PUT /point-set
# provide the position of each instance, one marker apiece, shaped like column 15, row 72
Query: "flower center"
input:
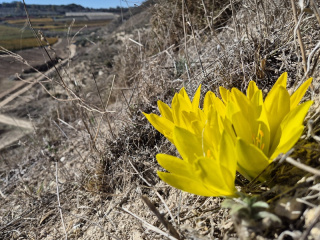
column 208, row 153
column 257, row 140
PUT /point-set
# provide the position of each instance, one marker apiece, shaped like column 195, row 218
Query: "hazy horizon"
column 89, row 4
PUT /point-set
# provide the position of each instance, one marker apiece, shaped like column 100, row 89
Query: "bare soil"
column 10, row 66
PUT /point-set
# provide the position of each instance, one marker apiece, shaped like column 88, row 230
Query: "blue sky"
column 85, row 3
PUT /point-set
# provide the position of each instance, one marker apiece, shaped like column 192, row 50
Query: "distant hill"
column 16, row 9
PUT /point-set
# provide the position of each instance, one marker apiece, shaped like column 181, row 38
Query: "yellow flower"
column 240, row 132
column 264, row 129
column 184, row 113
column 205, row 170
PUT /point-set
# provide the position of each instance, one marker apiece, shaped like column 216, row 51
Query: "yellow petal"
column 282, row 81
column 290, row 129
column 287, row 142
column 179, row 104
column 228, row 127
column 242, row 127
column 187, row 184
column 175, row 165
column 251, row 160
column 252, row 89
column 196, row 99
column 241, row 101
column 224, row 93
column 208, row 101
column 188, row 144
column 162, row 124
column 231, row 109
column 277, row 105
column 295, row 117
column 187, row 118
column 210, row 174
column 197, row 128
column 165, row 110
column 183, row 93
column 297, row 95
column 228, row 160
column 211, row 100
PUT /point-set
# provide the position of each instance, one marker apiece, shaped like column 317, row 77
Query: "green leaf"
column 260, row 204
column 265, row 214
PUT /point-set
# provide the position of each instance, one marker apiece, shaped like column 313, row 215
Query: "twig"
column 104, row 108
column 302, row 49
column 206, row 14
column 160, row 197
column 195, row 44
column 67, row 124
column 121, row 202
column 95, row 224
column 311, row 54
column 148, row 225
column 59, row 205
column 164, row 221
column 315, row 9
column 185, row 33
column 303, row 166
column 44, row 49
column 2, row 195
column 311, row 131
column 139, row 44
column 234, row 17
column 125, row 99
column 64, row 134
column 106, row 105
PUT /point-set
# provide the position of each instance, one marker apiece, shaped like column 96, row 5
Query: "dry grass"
column 108, row 188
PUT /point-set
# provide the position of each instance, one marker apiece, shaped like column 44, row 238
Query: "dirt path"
column 9, row 65
column 21, row 127
column 11, row 137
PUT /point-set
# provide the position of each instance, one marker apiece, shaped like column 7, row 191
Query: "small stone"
column 310, row 215
column 315, row 231
column 289, row 208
